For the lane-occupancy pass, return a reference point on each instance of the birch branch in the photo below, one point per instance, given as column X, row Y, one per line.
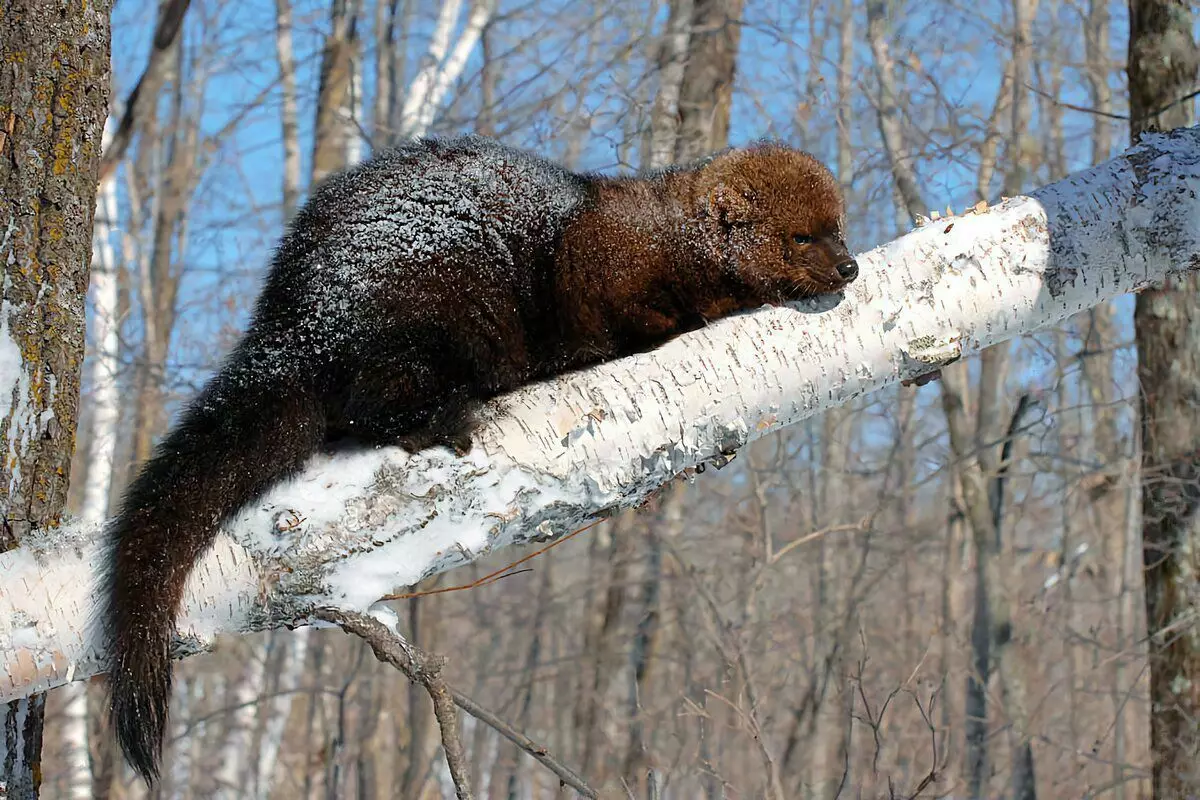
column 354, row 527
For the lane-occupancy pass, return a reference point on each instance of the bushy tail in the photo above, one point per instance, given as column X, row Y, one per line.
column 241, row 435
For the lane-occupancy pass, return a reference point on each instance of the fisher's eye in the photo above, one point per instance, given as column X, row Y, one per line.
column 802, row 238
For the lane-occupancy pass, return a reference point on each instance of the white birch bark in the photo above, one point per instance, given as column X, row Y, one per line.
column 353, row 112
column 267, row 769
column 354, row 527
column 419, row 91
column 103, row 377
column 74, row 740
column 438, row 70
column 287, row 111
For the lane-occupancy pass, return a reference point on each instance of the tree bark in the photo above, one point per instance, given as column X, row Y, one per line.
column 162, row 269
column 1011, row 671
column 672, row 61
column 1163, row 67
column 101, row 453
column 442, row 65
column 888, row 110
column 333, row 134
column 287, row 111
column 53, row 103
column 706, row 94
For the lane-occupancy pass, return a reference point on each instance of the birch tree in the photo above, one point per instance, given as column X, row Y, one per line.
column 1164, row 65
column 706, row 91
column 336, row 132
column 53, row 102
column 442, row 64
column 287, row 111
column 690, row 116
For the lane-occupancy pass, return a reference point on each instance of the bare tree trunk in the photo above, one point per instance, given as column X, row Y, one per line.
column 645, row 640
column 1013, row 673
column 1163, row 67
column 957, row 405
column 385, row 26
column 105, row 360
column 707, row 89
column 101, row 449
column 508, row 780
column 989, row 148
column 420, row 714
column 489, row 81
column 601, row 648
column 314, row 715
column 236, row 751
column 888, row 110
column 287, row 110
column 333, row 135
column 290, row 669
column 103, row 762
column 1054, row 150
column 162, row 271
column 1109, row 502
column 578, row 121
column 1024, row 13
column 837, row 610
column 74, row 734
column 403, row 11
column 954, row 703
column 835, row 613
column 1068, row 611
column 1097, row 61
column 672, row 60
column 54, row 98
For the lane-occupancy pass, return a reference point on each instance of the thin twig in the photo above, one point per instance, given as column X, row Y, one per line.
column 425, row 669
column 728, row 643
column 420, row 667
column 862, row 525
column 503, row 572
column 1072, row 106
column 539, row 753
column 1192, row 95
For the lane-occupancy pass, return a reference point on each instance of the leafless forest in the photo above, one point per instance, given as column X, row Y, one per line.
column 931, row 592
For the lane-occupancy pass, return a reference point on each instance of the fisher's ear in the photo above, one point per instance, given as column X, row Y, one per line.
column 724, row 209
column 727, row 205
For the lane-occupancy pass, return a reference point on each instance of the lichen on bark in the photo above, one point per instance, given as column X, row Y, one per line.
column 53, row 101
column 54, row 78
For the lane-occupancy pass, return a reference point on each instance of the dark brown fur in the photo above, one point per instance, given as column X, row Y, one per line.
column 424, row 281
column 656, row 257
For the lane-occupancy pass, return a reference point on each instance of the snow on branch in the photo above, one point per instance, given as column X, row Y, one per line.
column 354, row 527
